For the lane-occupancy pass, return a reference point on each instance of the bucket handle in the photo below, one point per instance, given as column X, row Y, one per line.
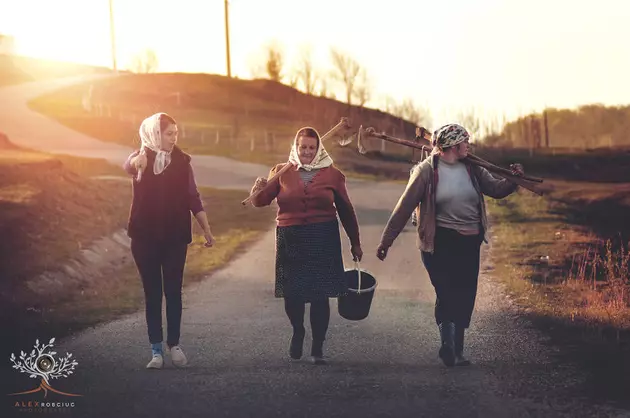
column 356, row 263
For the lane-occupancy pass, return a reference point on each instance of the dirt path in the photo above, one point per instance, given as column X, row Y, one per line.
column 236, row 334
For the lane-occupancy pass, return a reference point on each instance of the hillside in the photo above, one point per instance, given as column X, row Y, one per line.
column 42, row 195
column 18, row 69
column 253, row 120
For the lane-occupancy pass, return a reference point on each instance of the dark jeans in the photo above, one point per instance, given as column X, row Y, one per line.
column 320, row 316
column 161, row 267
column 454, row 269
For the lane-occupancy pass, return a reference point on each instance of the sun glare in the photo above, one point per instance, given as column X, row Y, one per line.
column 502, row 56
column 62, row 30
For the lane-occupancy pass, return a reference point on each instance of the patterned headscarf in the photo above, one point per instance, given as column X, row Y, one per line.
column 321, row 159
column 151, row 138
column 450, row 135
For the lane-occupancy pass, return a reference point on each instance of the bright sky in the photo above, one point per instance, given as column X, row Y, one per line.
column 501, row 57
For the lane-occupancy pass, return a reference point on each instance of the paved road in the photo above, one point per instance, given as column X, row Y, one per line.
column 236, row 335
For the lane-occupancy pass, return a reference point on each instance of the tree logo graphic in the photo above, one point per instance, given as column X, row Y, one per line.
column 41, row 364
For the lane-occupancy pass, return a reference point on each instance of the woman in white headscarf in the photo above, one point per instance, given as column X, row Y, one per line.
column 309, row 263
column 164, row 195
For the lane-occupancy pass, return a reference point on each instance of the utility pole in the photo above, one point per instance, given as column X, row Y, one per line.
column 546, row 128
column 112, row 35
column 227, row 40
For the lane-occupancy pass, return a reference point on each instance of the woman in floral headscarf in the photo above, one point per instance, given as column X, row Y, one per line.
column 452, row 225
column 309, row 263
column 164, row 195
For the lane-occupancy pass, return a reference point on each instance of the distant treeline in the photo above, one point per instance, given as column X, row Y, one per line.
column 590, row 126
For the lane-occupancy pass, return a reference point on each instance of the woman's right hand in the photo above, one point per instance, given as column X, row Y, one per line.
column 260, row 183
column 140, row 162
column 381, row 252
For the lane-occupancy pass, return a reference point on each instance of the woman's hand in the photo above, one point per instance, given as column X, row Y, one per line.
column 357, row 252
column 209, row 239
column 517, row 169
column 139, row 162
column 260, row 183
column 381, row 252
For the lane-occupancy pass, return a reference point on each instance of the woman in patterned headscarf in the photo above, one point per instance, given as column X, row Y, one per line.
column 452, row 225
column 309, row 263
column 164, row 196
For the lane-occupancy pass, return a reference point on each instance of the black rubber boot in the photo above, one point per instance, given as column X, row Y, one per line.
column 460, row 360
column 447, row 350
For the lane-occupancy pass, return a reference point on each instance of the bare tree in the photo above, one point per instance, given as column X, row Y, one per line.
column 408, row 111
column 293, row 79
column 389, row 104
column 362, row 88
column 346, row 70
column 495, row 124
column 415, row 114
column 323, row 82
column 144, row 62
column 305, row 71
column 274, row 61
column 470, row 120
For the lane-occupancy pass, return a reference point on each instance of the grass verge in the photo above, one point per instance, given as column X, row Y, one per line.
column 564, row 260
column 51, row 206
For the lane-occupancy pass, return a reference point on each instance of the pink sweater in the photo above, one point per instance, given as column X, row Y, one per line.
column 324, row 197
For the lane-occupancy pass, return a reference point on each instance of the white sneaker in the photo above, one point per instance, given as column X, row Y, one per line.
column 178, row 357
column 157, row 362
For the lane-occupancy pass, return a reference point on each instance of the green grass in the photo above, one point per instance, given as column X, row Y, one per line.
column 107, row 300
column 51, row 207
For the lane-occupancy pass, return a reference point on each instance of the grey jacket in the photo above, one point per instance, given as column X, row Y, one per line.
column 420, row 195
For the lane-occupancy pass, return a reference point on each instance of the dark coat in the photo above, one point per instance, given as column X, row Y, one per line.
column 160, row 209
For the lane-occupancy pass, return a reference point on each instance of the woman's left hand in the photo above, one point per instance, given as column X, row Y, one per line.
column 357, row 252
column 517, row 169
column 209, row 239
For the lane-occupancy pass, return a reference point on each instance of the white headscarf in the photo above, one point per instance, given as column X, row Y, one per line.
column 151, row 138
column 321, row 159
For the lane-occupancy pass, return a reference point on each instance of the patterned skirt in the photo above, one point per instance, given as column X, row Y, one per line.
column 309, row 264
